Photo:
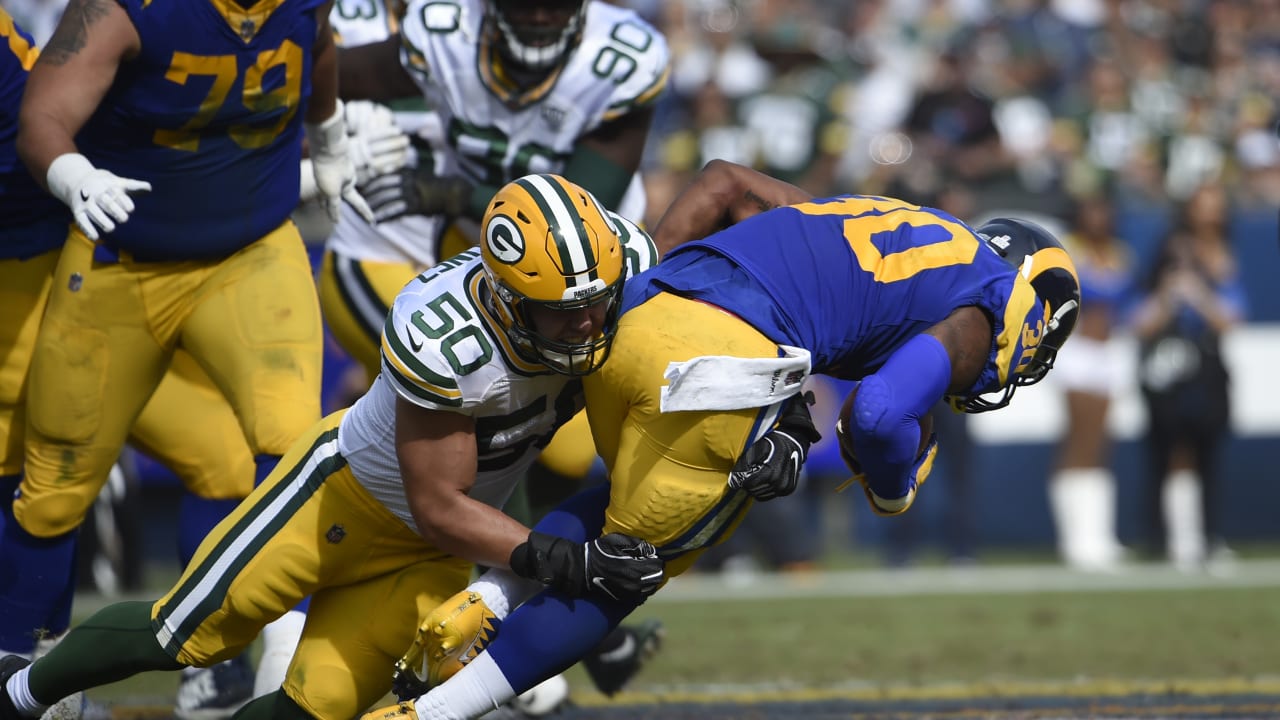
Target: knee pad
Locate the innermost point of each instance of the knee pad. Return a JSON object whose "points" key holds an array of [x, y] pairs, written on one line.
{"points": [[47, 513]]}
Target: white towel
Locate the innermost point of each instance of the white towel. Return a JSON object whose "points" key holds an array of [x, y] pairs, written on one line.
{"points": [[721, 382]]}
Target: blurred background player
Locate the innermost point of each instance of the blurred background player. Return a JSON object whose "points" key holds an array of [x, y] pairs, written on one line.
{"points": [[562, 86], [1082, 490], [1192, 296], [196, 249]]}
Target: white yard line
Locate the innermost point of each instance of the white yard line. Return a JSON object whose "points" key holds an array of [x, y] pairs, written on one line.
{"points": [[1002, 579]]}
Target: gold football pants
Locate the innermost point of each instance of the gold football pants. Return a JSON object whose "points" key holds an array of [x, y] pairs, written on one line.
{"points": [[670, 471], [213, 461], [251, 321], [311, 529]]}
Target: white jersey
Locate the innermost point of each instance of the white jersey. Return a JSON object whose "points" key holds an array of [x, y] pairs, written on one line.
{"points": [[410, 239], [443, 349], [494, 132]]}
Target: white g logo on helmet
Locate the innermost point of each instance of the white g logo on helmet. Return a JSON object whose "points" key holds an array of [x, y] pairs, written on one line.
{"points": [[505, 241]]}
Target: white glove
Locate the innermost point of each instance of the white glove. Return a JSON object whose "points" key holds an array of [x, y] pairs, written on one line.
{"points": [[98, 199], [331, 162], [378, 145]]}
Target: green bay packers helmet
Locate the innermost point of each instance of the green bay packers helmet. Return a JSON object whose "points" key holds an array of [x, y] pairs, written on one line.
{"points": [[548, 243], [1042, 260], [535, 34]]}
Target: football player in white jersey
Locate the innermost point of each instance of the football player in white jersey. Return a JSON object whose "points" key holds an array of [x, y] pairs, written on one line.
{"points": [[379, 511], [564, 86]]}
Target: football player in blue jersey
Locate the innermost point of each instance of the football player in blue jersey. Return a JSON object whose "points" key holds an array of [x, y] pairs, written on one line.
{"points": [[214, 461], [698, 411], [195, 111], [379, 512]]}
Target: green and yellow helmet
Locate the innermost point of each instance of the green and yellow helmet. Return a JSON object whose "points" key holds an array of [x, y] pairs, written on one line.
{"points": [[547, 242]]}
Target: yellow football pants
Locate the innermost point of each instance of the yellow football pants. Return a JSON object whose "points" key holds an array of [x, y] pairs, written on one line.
{"points": [[670, 471], [213, 461], [311, 529], [355, 296], [251, 321]]}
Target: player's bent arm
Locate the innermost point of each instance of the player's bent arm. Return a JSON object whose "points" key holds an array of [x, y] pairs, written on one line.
{"points": [[604, 160], [437, 454], [947, 358], [373, 72], [723, 193], [69, 80], [324, 70]]}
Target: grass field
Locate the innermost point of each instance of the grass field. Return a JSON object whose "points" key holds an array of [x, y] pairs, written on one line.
{"points": [[927, 635]]}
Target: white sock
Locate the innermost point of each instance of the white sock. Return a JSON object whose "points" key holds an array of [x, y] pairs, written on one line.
{"points": [[1184, 530], [279, 640], [478, 688], [20, 694], [1083, 502], [503, 590]]}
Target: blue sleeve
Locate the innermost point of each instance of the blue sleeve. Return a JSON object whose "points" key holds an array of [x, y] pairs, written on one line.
{"points": [[887, 411]]}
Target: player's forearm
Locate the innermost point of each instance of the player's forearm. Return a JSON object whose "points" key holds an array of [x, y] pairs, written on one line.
{"points": [[887, 412], [324, 82], [721, 195], [42, 138], [468, 529], [373, 72]]}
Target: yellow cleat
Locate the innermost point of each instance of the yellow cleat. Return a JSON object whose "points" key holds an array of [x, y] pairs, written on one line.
{"points": [[402, 711], [452, 636]]}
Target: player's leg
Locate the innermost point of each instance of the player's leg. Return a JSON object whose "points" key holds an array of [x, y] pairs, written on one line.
{"points": [[97, 357], [356, 632], [355, 296], [255, 329], [260, 561], [24, 290], [668, 485], [217, 471]]}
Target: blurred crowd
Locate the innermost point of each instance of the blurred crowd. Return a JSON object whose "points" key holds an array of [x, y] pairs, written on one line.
{"points": [[976, 104]]}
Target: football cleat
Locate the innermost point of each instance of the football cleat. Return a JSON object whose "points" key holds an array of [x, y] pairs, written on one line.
{"points": [[9, 664], [216, 692], [612, 669], [399, 711], [452, 636]]}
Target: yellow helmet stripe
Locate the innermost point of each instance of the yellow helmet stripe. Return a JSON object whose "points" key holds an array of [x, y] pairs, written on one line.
{"points": [[1048, 259]]}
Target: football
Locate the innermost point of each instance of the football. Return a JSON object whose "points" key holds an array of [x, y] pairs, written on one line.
{"points": [[845, 438]]}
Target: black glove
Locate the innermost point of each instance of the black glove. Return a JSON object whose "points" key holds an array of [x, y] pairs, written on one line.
{"points": [[770, 468], [414, 191], [620, 566]]}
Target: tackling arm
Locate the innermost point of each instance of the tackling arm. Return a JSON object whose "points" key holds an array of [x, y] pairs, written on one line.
{"points": [[437, 453], [723, 193]]}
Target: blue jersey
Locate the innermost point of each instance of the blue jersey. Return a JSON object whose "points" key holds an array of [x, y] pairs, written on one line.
{"points": [[851, 279], [210, 113], [31, 220]]}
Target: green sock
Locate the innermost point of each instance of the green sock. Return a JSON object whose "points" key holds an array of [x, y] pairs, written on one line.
{"points": [[272, 706], [114, 644]]}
